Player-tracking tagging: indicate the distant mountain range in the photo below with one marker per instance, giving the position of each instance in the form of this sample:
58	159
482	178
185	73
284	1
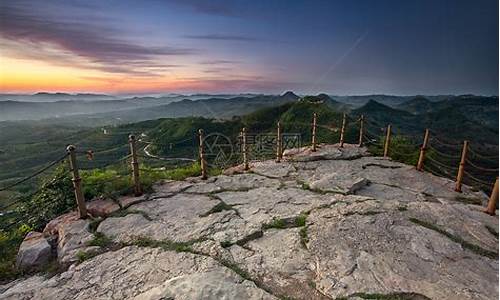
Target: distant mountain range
105	109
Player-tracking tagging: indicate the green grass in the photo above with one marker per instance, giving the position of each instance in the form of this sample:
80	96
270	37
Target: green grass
304	239
474	248
226	244
164	244
275	223
100	240
83	256
301	220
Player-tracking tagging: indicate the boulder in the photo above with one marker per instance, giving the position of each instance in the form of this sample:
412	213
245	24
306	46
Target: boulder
73	237
102	207
34	252
52	228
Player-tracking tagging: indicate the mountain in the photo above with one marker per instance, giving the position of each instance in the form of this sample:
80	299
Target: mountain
219	108
480	109
51	97
417	105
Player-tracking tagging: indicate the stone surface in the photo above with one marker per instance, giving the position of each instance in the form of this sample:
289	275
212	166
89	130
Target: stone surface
335	223
73	237
34	252
143	273
126	201
52	228
102	207
378	250
215	285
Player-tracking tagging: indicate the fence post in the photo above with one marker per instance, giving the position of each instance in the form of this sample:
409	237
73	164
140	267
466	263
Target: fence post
279	152
203	162
387	141
244	148
77	182
492	203
135	166
313	142
460	174
342	131
423	148
361	130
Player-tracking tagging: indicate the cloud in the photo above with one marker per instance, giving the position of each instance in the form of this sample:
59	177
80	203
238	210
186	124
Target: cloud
95	41
223	37
219	62
213	7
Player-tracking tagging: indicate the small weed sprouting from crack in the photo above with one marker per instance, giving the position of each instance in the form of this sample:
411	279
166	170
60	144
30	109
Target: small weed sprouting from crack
83	256
304	239
301	220
164	244
474	248
100	240
492	231
402	208
226	244
276	223
363	213
233	266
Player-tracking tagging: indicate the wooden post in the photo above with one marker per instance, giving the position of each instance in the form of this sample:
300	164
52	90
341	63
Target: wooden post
135	166
492	203
342	131
203	162
279	150
423	148
313	142
77	182
361	130
387	141
244	148
461	167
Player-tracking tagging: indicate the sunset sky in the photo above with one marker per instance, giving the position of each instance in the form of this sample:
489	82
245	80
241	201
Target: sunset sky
339	47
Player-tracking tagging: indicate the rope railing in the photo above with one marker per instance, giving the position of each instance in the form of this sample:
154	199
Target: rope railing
452	146
367	132
50	165
470	163
484	157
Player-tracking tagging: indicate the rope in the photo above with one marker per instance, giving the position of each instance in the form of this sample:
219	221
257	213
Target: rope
444	154
22	197
489	184
480	168
490	158
34	174
442	165
166	158
445	144
391	151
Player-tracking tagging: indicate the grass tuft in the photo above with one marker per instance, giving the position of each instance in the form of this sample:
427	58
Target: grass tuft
100	240
474	248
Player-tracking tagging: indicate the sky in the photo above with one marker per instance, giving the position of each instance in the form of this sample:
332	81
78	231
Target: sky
339	47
